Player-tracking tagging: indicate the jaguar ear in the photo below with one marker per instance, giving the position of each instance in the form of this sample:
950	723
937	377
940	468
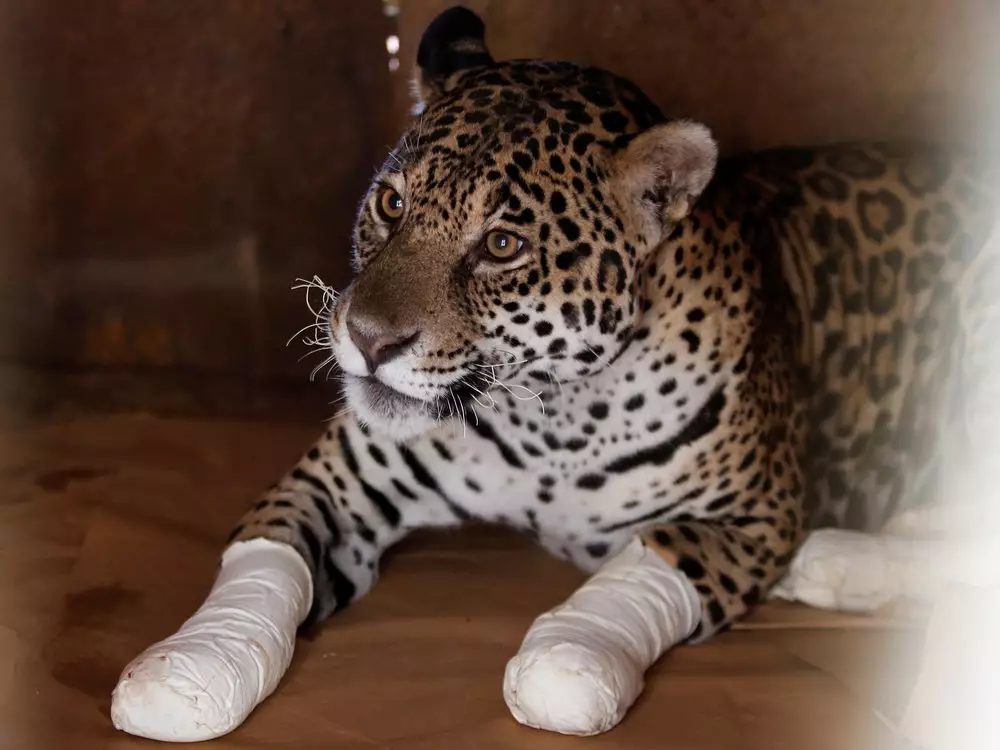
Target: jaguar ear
665	169
453	41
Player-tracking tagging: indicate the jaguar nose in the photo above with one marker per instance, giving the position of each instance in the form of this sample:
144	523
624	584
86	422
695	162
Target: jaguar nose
378	346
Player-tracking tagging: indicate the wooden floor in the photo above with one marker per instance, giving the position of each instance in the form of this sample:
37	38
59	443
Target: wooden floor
110	525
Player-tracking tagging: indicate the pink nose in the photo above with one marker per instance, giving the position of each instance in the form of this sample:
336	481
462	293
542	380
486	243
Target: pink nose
381	346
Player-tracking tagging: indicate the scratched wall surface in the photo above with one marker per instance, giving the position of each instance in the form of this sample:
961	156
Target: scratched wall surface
169	168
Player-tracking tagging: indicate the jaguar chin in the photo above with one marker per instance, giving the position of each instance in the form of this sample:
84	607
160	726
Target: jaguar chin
392	413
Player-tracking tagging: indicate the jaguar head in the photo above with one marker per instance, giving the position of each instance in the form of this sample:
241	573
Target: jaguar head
499	249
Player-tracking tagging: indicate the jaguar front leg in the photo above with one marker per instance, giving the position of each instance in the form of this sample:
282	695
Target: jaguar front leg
308	548
582	665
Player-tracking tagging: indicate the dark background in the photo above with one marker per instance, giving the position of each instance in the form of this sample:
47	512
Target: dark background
169	168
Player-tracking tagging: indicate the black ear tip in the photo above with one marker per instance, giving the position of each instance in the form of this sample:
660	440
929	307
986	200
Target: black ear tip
458	22
455	24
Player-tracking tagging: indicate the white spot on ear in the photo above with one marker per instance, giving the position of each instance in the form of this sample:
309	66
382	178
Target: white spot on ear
668	166
691	152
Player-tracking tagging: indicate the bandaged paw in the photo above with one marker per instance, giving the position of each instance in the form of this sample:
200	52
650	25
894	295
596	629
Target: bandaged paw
203	681
850	571
581	665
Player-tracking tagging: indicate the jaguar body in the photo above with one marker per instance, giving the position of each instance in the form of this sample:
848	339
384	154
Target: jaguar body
572	317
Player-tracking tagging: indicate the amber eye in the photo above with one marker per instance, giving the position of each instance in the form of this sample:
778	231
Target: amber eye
503	245
390	204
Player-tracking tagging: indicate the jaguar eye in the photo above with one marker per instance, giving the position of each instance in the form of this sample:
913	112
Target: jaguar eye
390	204
503	245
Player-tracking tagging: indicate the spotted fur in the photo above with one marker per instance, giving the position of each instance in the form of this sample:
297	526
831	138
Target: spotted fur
712	356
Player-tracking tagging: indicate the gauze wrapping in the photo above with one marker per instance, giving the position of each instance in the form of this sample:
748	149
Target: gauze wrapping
581	665
205	679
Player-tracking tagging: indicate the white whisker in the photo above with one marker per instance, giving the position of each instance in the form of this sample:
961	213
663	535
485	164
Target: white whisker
396	159
465	417
460	418
310	353
495	380
600	359
338	414
320	366
554	381
316	335
493	403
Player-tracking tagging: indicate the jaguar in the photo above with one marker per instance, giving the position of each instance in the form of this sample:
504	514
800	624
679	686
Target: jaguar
572	316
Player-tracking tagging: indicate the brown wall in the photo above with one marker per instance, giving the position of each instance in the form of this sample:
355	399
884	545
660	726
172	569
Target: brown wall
769	72
168	168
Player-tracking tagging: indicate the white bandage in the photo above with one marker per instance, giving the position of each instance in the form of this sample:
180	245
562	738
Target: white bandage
581	665
204	680
852	571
